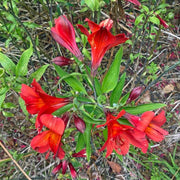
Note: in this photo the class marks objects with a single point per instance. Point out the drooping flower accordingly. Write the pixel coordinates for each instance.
(50, 140)
(38, 102)
(72, 171)
(150, 124)
(62, 61)
(101, 40)
(64, 34)
(162, 22)
(136, 2)
(134, 94)
(121, 136)
(79, 123)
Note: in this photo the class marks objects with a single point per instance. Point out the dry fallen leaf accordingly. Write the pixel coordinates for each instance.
(168, 88)
(116, 168)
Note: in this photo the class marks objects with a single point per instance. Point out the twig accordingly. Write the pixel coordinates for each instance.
(14, 161)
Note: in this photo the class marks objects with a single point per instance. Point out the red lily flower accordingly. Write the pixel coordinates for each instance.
(136, 2)
(150, 124)
(162, 22)
(64, 34)
(62, 61)
(121, 136)
(50, 140)
(101, 40)
(38, 102)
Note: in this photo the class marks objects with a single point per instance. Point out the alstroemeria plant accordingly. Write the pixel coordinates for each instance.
(87, 104)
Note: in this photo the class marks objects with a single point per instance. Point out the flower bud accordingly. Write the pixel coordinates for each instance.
(135, 93)
(62, 61)
(56, 169)
(79, 123)
(64, 166)
(81, 153)
(65, 118)
(72, 171)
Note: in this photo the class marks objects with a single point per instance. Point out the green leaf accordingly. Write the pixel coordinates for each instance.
(38, 74)
(80, 142)
(87, 139)
(111, 78)
(2, 97)
(116, 94)
(71, 81)
(7, 114)
(7, 64)
(124, 99)
(8, 105)
(154, 20)
(22, 66)
(97, 86)
(139, 19)
(1, 72)
(145, 8)
(143, 108)
(63, 109)
(93, 4)
(23, 106)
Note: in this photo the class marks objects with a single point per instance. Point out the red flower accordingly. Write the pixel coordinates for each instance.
(62, 61)
(72, 171)
(64, 34)
(38, 102)
(50, 140)
(79, 123)
(121, 136)
(136, 2)
(162, 22)
(101, 40)
(150, 124)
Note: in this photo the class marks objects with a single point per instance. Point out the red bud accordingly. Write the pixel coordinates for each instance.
(72, 171)
(62, 61)
(134, 94)
(79, 123)
(57, 168)
(81, 153)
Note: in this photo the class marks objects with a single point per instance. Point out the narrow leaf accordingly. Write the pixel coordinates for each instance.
(80, 142)
(63, 109)
(38, 74)
(143, 108)
(97, 86)
(139, 19)
(7, 64)
(87, 139)
(116, 94)
(22, 66)
(111, 78)
(71, 81)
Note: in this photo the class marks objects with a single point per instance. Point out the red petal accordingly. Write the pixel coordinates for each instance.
(37, 87)
(120, 114)
(162, 22)
(40, 142)
(155, 133)
(55, 124)
(57, 168)
(92, 25)
(83, 29)
(32, 100)
(64, 166)
(72, 171)
(146, 118)
(160, 119)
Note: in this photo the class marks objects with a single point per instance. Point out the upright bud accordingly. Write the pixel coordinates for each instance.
(65, 118)
(135, 93)
(79, 123)
(72, 171)
(64, 166)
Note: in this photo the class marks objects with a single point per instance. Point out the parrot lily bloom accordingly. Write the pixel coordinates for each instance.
(64, 34)
(38, 102)
(150, 124)
(121, 136)
(101, 40)
(50, 140)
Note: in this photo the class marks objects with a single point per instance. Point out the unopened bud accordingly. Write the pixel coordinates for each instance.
(79, 123)
(62, 61)
(134, 94)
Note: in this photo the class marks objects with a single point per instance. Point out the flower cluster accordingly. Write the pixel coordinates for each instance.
(120, 136)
